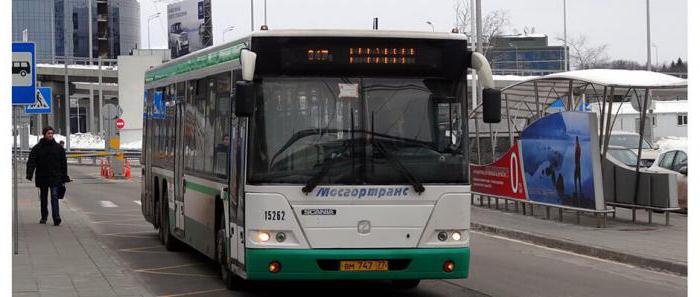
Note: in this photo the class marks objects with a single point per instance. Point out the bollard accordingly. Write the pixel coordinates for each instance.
(532, 210)
(489, 201)
(496, 202)
(523, 208)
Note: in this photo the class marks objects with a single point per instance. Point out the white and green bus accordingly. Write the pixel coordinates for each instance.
(317, 154)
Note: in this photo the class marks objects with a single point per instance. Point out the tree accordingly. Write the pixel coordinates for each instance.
(493, 24)
(584, 56)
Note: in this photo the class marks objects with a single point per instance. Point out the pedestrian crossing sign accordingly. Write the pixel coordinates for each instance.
(42, 103)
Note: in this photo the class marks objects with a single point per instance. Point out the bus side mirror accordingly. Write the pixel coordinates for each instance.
(248, 64)
(492, 106)
(246, 93)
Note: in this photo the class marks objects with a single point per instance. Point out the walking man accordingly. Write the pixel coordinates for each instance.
(48, 158)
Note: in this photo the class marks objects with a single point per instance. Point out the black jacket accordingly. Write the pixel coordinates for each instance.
(49, 159)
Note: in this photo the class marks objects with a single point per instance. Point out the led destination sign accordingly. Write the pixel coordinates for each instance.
(365, 55)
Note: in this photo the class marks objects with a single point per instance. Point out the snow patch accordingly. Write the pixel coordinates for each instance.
(88, 141)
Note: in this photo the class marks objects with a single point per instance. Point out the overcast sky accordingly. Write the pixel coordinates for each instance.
(620, 24)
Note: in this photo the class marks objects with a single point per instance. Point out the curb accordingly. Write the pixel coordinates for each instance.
(597, 252)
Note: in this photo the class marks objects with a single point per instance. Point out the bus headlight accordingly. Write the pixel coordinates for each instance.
(442, 236)
(263, 236)
(456, 236)
(281, 237)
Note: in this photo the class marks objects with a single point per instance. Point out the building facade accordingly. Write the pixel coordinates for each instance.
(525, 54)
(61, 28)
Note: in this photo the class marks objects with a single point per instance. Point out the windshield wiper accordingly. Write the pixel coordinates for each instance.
(316, 178)
(417, 185)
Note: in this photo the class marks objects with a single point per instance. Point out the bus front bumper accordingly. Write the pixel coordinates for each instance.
(318, 264)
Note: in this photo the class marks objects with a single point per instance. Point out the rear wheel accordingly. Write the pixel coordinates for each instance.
(405, 283)
(231, 280)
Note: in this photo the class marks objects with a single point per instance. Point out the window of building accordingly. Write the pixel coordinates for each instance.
(682, 119)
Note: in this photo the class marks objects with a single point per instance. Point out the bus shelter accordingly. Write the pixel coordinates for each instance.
(593, 90)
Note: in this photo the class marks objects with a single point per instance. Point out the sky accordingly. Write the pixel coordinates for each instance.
(619, 24)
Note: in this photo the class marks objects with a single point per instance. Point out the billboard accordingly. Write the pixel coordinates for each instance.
(503, 178)
(189, 26)
(561, 160)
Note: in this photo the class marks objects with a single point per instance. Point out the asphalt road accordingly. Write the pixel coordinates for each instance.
(499, 266)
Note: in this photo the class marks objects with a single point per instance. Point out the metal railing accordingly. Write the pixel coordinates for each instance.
(92, 157)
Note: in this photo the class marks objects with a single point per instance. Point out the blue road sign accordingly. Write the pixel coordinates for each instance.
(23, 73)
(42, 105)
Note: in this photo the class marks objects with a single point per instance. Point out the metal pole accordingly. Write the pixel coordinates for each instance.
(566, 43)
(510, 128)
(639, 148)
(66, 96)
(15, 216)
(252, 17)
(89, 5)
(265, 11)
(91, 118)
(648, 39)
(479, 43)
(99, 91)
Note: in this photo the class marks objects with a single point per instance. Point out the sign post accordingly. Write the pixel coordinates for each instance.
(23, 93)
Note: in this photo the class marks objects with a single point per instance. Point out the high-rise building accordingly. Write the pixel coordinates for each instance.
(61, 28)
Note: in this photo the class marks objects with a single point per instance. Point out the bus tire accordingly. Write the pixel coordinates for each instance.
(405, 283)
(169, 240)
(230, 279)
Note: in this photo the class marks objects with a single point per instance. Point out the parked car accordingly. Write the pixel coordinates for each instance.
(675, 161)
(623, 154)
(630, 140)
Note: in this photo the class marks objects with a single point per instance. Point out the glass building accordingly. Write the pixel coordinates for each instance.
(60, 27)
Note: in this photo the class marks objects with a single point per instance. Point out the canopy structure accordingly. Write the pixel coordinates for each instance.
(526, 101)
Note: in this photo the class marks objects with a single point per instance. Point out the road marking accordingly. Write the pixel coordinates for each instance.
(137, 202)
(107, 203)
(575, 254)
(194, 293)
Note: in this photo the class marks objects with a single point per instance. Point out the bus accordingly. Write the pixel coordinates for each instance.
(316, 154)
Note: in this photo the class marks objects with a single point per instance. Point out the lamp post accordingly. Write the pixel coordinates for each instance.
(566, 43)
(150, 18)
(431, 25)
(648, 38)
(223, 34)
(656, 51)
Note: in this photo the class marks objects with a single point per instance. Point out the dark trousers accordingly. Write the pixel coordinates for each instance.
(43, 195)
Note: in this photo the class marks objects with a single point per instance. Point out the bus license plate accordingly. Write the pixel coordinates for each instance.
(375, 265)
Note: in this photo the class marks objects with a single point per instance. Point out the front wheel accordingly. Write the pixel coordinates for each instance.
(169, 240)
(405, 283)
(231, 280)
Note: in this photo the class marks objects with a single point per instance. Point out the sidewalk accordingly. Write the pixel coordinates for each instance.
(653, 246)
(67, 260)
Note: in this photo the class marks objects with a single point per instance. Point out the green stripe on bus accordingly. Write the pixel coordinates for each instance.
(214, 58)
(201, 188)
(302, 264)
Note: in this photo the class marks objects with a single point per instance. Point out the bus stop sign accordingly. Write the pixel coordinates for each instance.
(120, 124)
(23, 73)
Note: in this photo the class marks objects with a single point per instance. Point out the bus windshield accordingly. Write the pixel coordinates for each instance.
(358, 131)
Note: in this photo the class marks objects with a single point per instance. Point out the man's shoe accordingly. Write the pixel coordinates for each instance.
(57, 222)
(42, 221)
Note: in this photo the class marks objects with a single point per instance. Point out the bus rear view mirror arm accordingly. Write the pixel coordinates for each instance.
(491, 104)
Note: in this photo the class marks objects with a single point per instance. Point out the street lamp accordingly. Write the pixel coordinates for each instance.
(431, 25)
(223, 34)
(150, 18)
(656, 50)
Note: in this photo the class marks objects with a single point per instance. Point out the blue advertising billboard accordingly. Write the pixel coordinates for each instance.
(561, 160)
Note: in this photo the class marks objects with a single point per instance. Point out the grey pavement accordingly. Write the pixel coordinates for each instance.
(655, 246)
(65, 260)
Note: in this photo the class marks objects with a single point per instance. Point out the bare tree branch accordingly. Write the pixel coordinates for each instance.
(584, 56)
(493, 24)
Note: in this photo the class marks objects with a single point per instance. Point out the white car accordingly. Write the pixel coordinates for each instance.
(630, 140)
(675, 161)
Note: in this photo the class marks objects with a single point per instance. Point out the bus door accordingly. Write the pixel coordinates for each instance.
(179, 171)
(146, 177)
(236, 181)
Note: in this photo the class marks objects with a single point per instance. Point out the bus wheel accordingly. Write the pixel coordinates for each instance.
(169, 240)
(405, 283)
(231, 280)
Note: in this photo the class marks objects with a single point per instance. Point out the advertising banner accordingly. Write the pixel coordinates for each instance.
(561, 160)
(189, 26)
(503, 178)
